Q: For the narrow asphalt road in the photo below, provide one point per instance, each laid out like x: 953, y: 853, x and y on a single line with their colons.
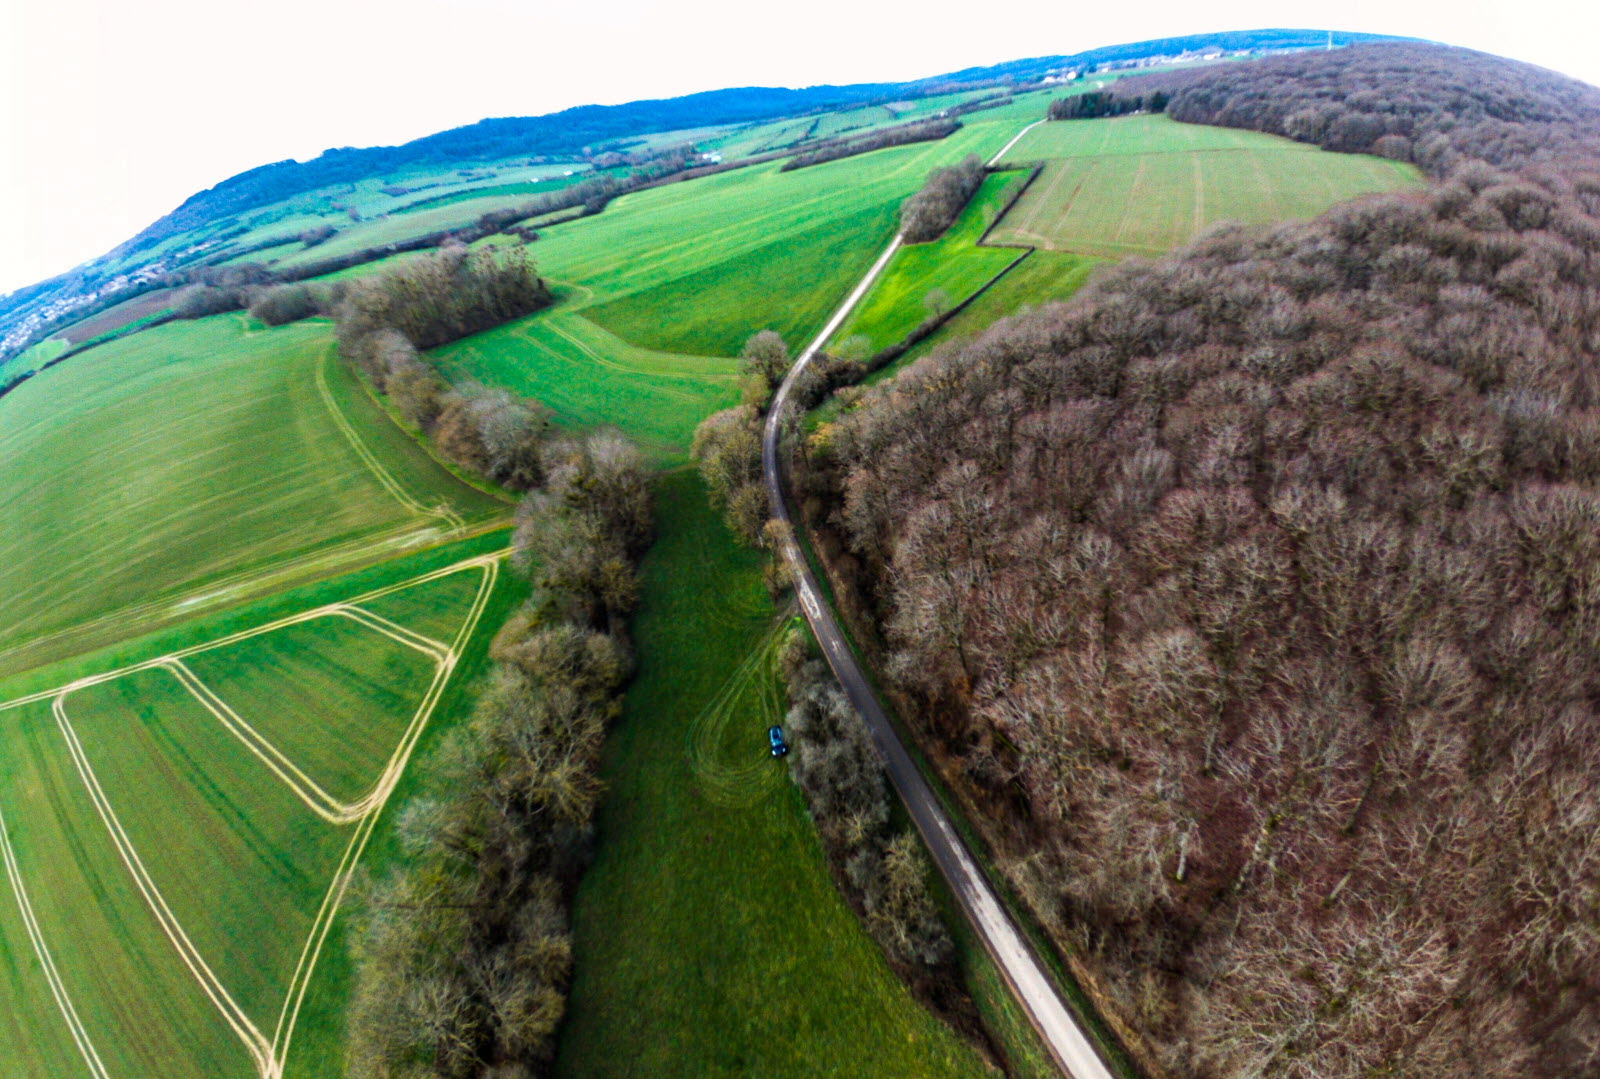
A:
x: 1057, y: 1026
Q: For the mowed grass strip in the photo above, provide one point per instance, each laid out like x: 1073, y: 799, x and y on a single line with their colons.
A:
x: 954, y: 264
x: 1142, y: 185
x: 590, y: 377
x: 709, y: 938
x: 332, y: 695
x: 185, y: 458
x: 140, y: 1006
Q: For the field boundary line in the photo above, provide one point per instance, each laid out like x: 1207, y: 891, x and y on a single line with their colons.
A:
x: 254, y: 1041
x: 320, y: 611
x: 312, y: 951
x: 368, y: 458
x: 58, y: 988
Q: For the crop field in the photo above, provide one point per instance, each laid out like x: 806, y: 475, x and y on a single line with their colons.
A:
x: 697, y: 267
x: 178, y: 830
x: 196, y: 464
x: 1142, y: 185
x: 114, y: 318
x: 812, y: 266
x: 33, y: 357
x: 401, y: 226
x: 760, y: 138
x: 953, y: 263
x: 781, y: 981
x: 589, y: 377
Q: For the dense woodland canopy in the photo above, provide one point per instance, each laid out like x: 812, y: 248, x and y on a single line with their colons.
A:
x: 1429, y: 104
x: 1255, y: 594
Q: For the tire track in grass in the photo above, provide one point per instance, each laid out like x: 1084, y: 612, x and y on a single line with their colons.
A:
x: 58, y: 988
x: 739, y: 778
x: 255, y: 1042
x: 269, y: 1057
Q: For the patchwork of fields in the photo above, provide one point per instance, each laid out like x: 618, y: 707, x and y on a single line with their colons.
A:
x: 180, y: 816
x: 178, y: 832
x: 1142, y: 185
x: 195, y: 464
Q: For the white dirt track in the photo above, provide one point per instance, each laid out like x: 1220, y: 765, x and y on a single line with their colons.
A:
x: 267, y: 1054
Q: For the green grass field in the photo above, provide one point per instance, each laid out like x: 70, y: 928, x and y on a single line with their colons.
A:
x: 1041, y: 278
x: 812, y: 266
x: 666, y: 280
x: 954, y: 263
x: 166, y: 886
x: 192, y: 465
x: 191, y: 482
x: 33, y: 357
x: 698, y: 267
x: 709, y: 938
x: 590, y: 377
x: 1142, y: 185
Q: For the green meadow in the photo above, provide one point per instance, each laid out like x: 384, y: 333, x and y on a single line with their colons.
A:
x: 194, y: 464
x: 954, y: 264
x: 709, y: 938
x: 1041, y: 278
x: 1142, y: 185
x: 589, y: 377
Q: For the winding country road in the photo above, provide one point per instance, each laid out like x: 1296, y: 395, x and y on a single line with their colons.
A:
x: 1068, y: 1043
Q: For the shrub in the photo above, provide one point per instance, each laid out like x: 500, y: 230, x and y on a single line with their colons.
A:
x: 282, y: 304
x: 199, y: 301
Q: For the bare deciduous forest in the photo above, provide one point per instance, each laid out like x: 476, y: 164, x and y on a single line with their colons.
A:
x: 1432, y: 105
x: 946, y: 192
x: 1255, y: 594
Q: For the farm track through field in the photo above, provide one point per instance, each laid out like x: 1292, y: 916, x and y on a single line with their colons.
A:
x: 268, y: 1055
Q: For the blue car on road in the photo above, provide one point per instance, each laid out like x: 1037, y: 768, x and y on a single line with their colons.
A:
x: 775, y: 739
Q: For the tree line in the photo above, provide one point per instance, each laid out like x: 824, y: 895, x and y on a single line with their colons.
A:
x: 881, y: 869
x: 462, y: 952
x: 1251, y: 597
x: 1098, y: 103
x: 383, y: 321
x: 943, y: 195
x: 899, y: 135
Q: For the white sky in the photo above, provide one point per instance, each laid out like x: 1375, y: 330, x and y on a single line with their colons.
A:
x: 114, y: 111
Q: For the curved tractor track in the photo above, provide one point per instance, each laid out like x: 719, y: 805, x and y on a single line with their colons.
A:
x: 1068, y: 1042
